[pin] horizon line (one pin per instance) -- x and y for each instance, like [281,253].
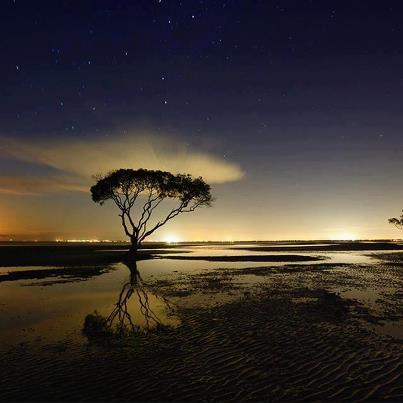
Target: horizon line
[72,241]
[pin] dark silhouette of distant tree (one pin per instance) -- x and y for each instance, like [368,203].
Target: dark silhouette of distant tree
[137,194]
[397,222]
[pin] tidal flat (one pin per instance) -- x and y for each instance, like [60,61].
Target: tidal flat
[216,321]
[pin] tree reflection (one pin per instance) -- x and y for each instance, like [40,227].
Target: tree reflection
[120,322]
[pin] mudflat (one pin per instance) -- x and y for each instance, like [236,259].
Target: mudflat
[214,330]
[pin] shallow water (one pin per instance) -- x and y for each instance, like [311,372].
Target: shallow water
[350,257]
[41,311]
[54,308]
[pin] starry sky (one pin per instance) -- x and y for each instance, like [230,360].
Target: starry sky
[292,110]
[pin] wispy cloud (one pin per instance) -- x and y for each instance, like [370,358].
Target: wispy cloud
[78,159]
[36,185]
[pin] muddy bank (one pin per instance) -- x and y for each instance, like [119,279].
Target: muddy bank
[61,274]
[288,346]
[265,333]
[72,255]
[390,257]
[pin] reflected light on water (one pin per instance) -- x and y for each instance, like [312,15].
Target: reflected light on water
[32,311]
[51,308]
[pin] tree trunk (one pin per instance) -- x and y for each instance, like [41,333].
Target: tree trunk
[132,255]
[132,265]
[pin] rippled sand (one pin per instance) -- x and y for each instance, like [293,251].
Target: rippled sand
[296,332]
[270,348]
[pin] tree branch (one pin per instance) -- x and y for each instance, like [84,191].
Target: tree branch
[147,207]
[122,216]
[171,215]
[150,209]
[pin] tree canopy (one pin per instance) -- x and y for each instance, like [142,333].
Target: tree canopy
[397,222]
[146,189]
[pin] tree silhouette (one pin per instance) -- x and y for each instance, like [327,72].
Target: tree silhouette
[144,190]
[397,222]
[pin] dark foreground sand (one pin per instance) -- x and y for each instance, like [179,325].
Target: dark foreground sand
[296,334]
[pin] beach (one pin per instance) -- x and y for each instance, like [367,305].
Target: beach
[214,322]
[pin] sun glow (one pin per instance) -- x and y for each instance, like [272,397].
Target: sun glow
[171,238]
[347,236]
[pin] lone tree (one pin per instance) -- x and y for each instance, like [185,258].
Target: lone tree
[137,193]
[397,222]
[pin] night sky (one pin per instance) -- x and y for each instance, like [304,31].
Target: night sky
[292,110]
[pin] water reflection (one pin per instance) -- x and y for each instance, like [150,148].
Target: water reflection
[237,257]
[48,304]
[121,321]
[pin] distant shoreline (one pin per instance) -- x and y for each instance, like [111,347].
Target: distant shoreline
[152,243]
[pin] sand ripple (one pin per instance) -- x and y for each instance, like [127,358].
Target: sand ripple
[268,348]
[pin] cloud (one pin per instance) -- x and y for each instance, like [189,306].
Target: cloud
[37,185]
[76,160]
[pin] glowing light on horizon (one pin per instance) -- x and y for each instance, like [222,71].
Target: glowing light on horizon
[344,237]
[84,240]
[171,238]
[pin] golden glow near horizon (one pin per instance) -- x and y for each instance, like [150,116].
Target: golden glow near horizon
[74,217]
[346,236]
[83,240]
[171,238]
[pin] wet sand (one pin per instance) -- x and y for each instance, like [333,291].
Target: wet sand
[312,332]
[249,258]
